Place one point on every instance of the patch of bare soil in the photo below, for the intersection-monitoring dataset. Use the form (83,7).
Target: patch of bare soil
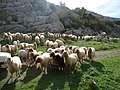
(100,55)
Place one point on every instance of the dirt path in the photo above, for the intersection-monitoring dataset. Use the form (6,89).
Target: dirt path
(106,54)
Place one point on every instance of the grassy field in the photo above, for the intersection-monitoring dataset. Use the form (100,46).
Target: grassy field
(105,72)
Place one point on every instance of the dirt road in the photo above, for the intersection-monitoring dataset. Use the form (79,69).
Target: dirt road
(99,55)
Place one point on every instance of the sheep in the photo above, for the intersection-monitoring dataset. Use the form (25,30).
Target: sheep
(23,54)
(10,39)
(69,49)
(58,60)
(50,50)
(13,48)
(42,39)
(34,46)
(32,57)
(37,40)
(91,53)
(70,60)
(6,48)
(60,42)
(17,42)
(54,45)
(48,44)
(81,54)
(14,65)
(44,61)
(22,45)
(5,36)
(50,36)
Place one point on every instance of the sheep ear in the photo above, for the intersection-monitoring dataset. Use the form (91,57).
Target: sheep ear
(52,54)
(9,59)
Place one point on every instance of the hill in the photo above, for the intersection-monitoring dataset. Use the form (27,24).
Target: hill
(42,16)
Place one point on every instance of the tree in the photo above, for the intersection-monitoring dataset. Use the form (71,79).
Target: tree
(62,4)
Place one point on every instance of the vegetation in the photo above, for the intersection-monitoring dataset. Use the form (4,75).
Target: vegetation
(105,73)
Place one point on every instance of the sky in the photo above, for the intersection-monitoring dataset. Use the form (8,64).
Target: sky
(109,8)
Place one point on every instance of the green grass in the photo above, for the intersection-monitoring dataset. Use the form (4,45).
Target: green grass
(97,45)
(105,73)
(81,43)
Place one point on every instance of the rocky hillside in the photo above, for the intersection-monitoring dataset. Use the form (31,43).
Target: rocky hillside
(28,15)
(42,16)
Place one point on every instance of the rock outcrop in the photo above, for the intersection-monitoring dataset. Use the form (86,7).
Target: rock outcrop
(28,15)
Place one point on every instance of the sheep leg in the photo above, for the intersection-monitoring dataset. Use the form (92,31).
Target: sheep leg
(11,78)
(46,70)
(43,69)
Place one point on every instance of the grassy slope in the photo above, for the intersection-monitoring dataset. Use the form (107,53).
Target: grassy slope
(98,45)
(105,73)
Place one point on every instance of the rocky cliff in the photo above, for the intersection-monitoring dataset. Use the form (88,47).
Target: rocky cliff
(28,15)
(42,16)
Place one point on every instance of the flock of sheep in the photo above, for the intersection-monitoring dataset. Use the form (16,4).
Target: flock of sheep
(57,54)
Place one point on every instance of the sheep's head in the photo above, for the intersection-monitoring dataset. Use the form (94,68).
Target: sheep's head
(8,60)
(70,47)
(65,54)
(30,49)
(52,54)
(38,60)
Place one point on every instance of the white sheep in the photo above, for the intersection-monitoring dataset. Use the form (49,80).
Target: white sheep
(13,48)
(44,60)
(37,39)
(60,42)
(42,39)
(6,48)
(23,54)
(91,53)
(70,60)
(81,53)
(48,44)
(14,65)
(54,45)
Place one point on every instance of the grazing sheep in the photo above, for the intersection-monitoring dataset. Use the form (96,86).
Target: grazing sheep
(54,45)
(42,39)
(22,45)
(44,61)
(32,57)
(23,54)
(81,54)
(50,36)
(13,49)
(34,46)
(48,44)
(60,42)
(91,53)
(14,65)
(6,48)
(10,39)
(37,40)
(70,60)
(16,42)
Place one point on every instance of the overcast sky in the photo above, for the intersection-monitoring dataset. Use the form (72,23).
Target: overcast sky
(104,7)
